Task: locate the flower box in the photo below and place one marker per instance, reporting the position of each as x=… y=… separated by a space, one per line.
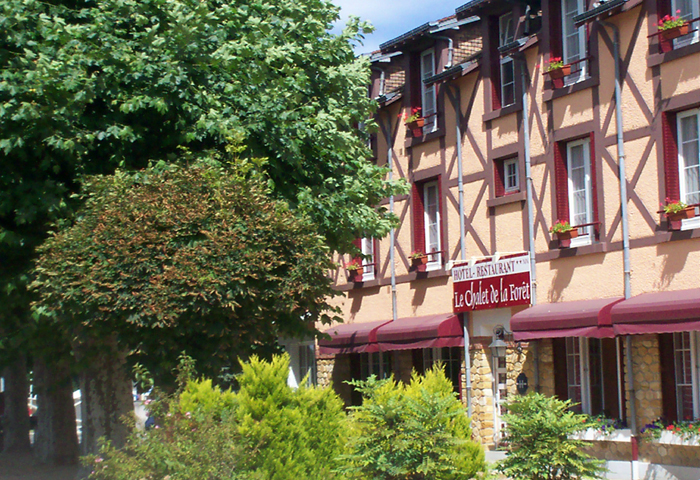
x=356 y=275
x=675 y=32
x=416 y=127
x=675 y=220
x=417 y=123
x=420 y=264
x=565 y=237
x=557 y=73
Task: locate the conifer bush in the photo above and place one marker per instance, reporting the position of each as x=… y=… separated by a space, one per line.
x=417 y=431
x=265 y=430
x=540 y=432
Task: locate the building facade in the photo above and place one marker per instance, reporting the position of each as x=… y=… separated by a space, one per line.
x=509 y=146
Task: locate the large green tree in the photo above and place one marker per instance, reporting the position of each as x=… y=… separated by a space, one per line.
x=168 y=259
x=89 y=87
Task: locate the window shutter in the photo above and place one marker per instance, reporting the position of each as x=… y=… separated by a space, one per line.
x=663 y=7
x=358 y=243
x=668 y=377
x=499 y=176
x=376 y=257
x=555 y=32
x=561 y=387
x=561 y=182
x=594 y=184
x=670 y=145
x=418 y=218
x=414 y=81
x=495 y=64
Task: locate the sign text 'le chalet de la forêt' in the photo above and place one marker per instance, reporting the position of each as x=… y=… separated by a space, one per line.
x=491 y=283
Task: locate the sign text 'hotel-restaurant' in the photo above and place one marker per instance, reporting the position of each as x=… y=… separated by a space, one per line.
x=492 y=283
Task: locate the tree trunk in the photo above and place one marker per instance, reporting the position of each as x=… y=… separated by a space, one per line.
x=106 y=398
x=55 y=439
x=16 y=418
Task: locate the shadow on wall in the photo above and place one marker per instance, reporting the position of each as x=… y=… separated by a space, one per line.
x=564 y=270
x=674 y=259
x=420 y=289
x=356 y=296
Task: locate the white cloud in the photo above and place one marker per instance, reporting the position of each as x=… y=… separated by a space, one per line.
x=392 y=18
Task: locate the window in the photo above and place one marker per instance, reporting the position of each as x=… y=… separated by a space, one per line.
x=506 y=35
x=580 y=189
x=589 y=375
x=575 y=185
x=574 y=39
x=431 y=202
x=307 y=364
x=451 y=358
x=689 y=156
x=680 y=376
x=378 y=363
x=507 y=176
x=368 y=259
x=690 y=9
x=427 y=222
x=566 y=40
x=511 y=176
x=428 y=94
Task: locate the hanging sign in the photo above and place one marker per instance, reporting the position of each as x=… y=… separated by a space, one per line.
x=492 y=283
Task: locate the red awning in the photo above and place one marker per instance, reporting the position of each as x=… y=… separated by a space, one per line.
x=443 y=330
x=583 y=318
x=351 y=338
x=660 y=312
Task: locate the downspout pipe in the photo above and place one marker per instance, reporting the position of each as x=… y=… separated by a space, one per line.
x=456 y=102
x=382 y=82
x=450 y=50
x=529 y=195
x=392 y=233
x=631 y=394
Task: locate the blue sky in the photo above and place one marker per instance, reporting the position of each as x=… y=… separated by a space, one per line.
x=391 y=18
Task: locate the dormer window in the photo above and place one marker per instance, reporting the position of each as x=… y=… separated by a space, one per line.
x=506 y=35
x=574 y=39
x=428 y=94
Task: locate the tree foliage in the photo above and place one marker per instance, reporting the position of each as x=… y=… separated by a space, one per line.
x=266 y=430
x=416 y=431
x=540 y=433
x=87 y=88
x=170 y=259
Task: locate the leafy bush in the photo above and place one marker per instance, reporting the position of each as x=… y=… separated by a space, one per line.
x=539 y=432
x=415 y=431
x=266 y=430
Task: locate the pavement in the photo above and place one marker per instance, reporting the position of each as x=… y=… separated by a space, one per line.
x=25 y=467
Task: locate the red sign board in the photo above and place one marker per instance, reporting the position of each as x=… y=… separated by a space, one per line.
x=492 y=283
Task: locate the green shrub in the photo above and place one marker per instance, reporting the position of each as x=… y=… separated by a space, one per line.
x=266 y=430
x=539 y=433
x=415 y=431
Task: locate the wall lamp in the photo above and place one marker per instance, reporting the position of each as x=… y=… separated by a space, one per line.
x=498 y=346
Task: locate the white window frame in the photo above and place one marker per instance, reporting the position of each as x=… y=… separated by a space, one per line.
x=506 y=35
x=509 y=187
x=681 y=159
x=694 y=344
x=578 y=71
x=428 y=92
x=432 y=245
x=307 y=362
x=694 y=34
x=585 y=233
x=584 y=363
x=368 y=259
